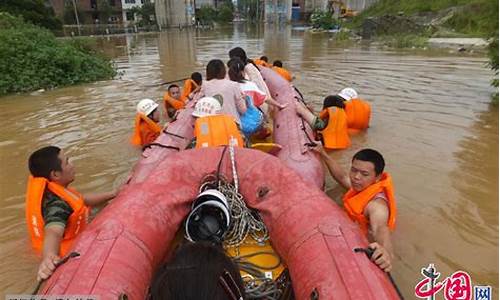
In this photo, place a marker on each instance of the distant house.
(90, 11)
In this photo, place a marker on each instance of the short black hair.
(197, 271)
(278, 63)
(333, 100)
(240, 53)
(196, 77)
(172, 86)
(43, 161)
(372, 156)
(264, 58)
(216, 69)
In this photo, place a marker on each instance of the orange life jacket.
(145, 130)
(217, 130)
(284, 73)
(335, 134)
(358, 115)
(355, 202)
(34, 218)
(168, 101)
(188, 88)
(261, 62)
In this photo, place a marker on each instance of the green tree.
(32, 58)
(206, 14)
(225, 12)
(33, 11)
(146, 12)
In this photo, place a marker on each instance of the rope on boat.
(369, 254)
(257, 285)
(57, 265)
(244, 222)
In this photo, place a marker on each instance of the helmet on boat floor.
(209, 218)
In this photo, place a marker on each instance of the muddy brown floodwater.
(431, 120)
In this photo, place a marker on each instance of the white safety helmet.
(146, 106)
(348, 94)
(209, 218)
(207, 106)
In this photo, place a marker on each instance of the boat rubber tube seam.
(159, 145)
(172, 134)
(369, 254)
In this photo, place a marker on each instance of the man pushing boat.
(369, 200)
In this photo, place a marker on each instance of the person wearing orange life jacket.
(55, 213)
(191, 86)
(357, 110)
(263, 61)
(172, 100)
(212, 128)
(146, 128)
(369, 201)
(278, 67)
(331, 122)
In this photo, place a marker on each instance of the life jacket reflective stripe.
(261, 62)
(358, 115)
(168, 101)
(355, 202)
(188, 88)
(217, 130)
(76, 223)
(335, 134)
(283, 72)
(145, 130)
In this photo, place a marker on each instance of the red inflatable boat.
(121, 248)
(291, 132)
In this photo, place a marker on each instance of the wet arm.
(95, 199)
(377, 213)
(53, 234)
(335, 170)
(241, 105)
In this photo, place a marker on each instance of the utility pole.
(76, 17)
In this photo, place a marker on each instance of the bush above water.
(31, 58)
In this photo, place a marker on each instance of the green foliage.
(32, 58)
(323, 20)
(225, 13)
(206, 14)
(33, 11)
(146, 12)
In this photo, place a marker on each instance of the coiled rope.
(244, 222)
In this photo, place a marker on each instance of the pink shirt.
(233, 99)
(253, 74)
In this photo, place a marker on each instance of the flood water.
(431, 120)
